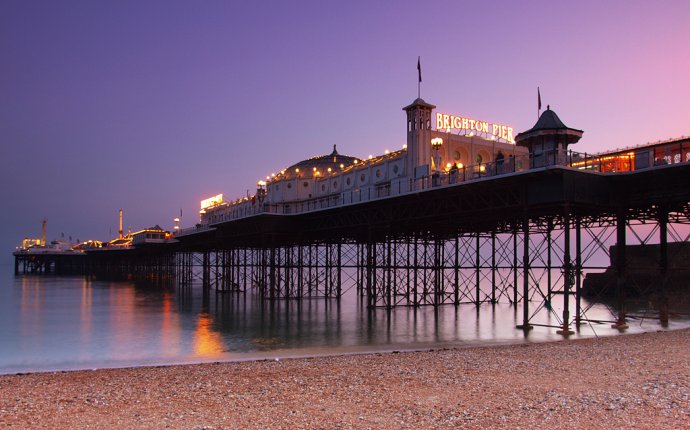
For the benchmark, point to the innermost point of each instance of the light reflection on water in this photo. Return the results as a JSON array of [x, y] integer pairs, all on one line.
[[54, 323]]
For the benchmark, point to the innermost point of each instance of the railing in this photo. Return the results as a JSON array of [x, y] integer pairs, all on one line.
[[191, 230], [643, 158]]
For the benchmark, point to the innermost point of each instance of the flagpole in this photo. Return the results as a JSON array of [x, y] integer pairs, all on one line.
[[419, 81]]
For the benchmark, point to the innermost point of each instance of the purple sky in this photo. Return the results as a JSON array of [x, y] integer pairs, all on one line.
[[152, 106]]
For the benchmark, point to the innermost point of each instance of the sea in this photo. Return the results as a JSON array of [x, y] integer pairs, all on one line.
[[51, 323]]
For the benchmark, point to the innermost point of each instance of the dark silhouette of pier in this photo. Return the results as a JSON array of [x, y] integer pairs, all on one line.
[[527, 237]]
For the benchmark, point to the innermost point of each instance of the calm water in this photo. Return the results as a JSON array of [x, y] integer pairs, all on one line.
[[58, 323]]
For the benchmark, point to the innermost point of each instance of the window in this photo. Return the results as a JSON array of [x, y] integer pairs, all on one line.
[[362, 177], [306, 184], [348, 181], [378, 173]]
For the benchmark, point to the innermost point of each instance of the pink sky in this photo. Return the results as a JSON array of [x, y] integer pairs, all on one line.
[[151, 106]]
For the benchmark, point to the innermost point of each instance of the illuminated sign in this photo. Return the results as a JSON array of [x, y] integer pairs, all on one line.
[[497, 131], [212, 201]]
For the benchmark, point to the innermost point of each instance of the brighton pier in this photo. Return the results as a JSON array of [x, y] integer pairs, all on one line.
[[453, 218]]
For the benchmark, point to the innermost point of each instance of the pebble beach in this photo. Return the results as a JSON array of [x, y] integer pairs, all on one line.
[[628, 381]]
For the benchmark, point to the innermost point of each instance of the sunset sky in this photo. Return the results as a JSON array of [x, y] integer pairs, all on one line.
[[151, 106]]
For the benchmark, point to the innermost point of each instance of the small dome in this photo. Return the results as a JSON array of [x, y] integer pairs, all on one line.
[[549, 121], [322, 163], [419, 103]]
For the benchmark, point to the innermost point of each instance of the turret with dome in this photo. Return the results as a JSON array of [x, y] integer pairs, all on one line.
[[548, 140], [322, 163]]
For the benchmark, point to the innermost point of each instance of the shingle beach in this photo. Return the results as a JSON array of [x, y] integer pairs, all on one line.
[[630, 381]]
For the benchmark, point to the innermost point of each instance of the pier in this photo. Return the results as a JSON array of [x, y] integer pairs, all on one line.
[[523, 229]]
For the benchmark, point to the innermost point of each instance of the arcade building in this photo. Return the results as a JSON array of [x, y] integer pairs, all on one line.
[[458, 149]]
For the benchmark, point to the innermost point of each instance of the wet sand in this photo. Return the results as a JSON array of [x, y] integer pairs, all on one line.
[[640, 381]]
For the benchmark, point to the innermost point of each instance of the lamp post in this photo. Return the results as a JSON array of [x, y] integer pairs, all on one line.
[[436, 143]]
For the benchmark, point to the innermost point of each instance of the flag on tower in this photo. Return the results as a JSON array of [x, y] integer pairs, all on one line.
[[538, 99], [419, 68]]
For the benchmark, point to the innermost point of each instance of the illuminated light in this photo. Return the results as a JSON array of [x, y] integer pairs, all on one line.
[[176, 220], [314, 169], [355, 161], [386, 152], [460, 165], [448, 166], [282, 172], [211, 201], [498, 131], [273, 175], [405, 146], [317, 173], [297, 170], [482, 168], [436, 142], [329, 169], [261, 183], [371, 156], [202, 211], [342, 166]]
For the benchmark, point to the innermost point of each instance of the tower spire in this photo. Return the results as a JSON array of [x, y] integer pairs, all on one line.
[[119, 231]]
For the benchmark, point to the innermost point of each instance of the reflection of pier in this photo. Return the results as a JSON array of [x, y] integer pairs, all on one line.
[[523, 229]]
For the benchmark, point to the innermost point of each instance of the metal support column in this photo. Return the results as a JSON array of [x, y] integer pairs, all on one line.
[[515, 266], [567, 277], [493, 267], [415, 272], [549, 281], [456, 272], [663, 265], [621, 263], [525, 276], [578, 272], [477, 273]]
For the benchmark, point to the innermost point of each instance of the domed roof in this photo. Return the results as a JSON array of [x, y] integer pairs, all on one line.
[[321, 164], [548, 124], [419, 102], [548, 120]]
